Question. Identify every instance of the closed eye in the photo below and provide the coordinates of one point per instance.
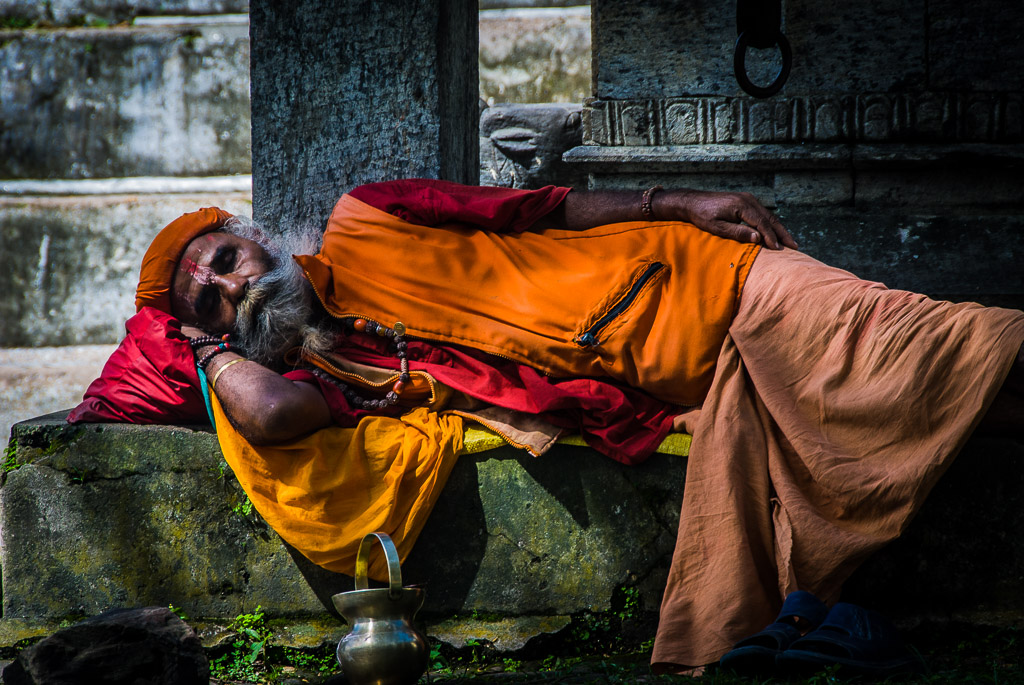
(224, 259)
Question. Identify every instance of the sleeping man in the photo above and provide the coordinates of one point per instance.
(823, 407)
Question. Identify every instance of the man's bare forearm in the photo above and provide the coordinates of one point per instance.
(738, 216)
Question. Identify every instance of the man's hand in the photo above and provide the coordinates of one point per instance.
(738, 216)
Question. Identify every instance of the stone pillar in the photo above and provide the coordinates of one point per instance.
(345, 93)
(893, 150)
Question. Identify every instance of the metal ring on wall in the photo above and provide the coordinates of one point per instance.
(739, 65)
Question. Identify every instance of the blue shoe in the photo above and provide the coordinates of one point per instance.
(756, 654)
(859, 641)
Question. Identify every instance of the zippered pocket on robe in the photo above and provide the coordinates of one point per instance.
(591, 335)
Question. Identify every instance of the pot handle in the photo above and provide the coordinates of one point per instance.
(390, 553)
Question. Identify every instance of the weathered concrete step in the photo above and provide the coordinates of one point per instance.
(86, 12)
(72, 261)
(125, 101)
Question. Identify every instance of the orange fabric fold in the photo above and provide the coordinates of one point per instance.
(323, 493)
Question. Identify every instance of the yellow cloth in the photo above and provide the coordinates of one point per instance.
(324, 492)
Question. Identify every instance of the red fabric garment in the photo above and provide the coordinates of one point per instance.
(429, 202)
(150, 378)
(620, 422)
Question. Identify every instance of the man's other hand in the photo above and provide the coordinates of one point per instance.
(737, 216)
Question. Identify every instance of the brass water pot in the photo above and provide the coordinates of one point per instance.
(382, 647)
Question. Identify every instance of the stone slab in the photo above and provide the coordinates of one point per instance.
(106, 515)
(865, 117)
(72, 262)
(124, 515)
(84, 12)
(125, 101)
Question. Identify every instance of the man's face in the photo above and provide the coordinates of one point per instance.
(213, 276)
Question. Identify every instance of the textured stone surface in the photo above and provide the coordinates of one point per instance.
(120, 647)
(72, 263)
(838, 47)
(78, 12)
(121, 515)
(117, 515)
(357, 108)
(822, 118)
(96, 103)
(114, 515)
(521, 146)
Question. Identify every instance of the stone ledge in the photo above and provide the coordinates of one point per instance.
(790, 156)
(105, 515)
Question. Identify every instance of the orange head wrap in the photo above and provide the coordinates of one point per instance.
(156, 280)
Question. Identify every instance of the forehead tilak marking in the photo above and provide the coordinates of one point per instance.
(203, 275)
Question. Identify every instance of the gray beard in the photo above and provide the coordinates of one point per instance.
(276, 313)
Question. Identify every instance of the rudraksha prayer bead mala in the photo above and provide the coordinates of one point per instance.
(397, 335)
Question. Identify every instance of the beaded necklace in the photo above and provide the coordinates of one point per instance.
(395, 333)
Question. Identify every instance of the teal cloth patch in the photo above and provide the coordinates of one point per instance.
(205, 387)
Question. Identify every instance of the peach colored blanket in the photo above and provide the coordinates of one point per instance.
(836, 406)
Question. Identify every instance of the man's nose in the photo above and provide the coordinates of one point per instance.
(233, 286)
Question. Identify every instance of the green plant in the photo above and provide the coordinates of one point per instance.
(244, 660)
(323, 663)
(437, 661)
(11, 457)
(243, 508)
(16, 23)
(630, 603)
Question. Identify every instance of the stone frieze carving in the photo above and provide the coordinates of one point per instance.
(871, 117)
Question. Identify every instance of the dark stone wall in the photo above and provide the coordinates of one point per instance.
(355, 92)
(893, 150)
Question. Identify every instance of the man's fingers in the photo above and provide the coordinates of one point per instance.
(762, 223)
(770, 227)
(738, 232)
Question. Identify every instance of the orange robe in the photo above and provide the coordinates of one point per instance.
(643, 303)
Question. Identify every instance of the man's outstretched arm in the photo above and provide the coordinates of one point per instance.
(429, 202)
(738, 216)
